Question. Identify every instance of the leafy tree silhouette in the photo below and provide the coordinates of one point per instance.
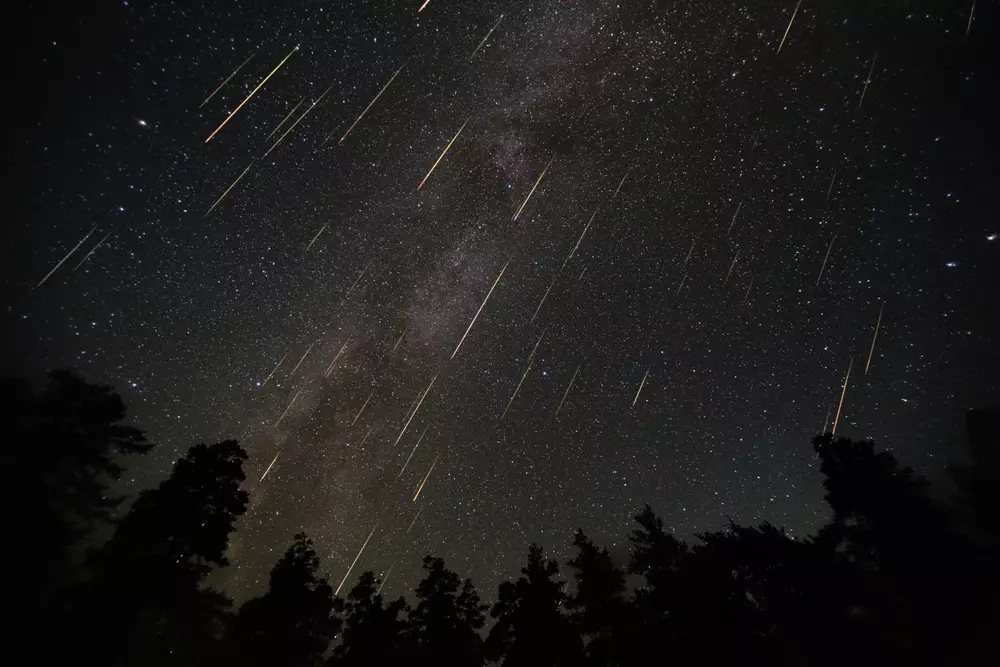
(444, 626)
(374, 634)
(293, 623)
(530, 627)
(146, 604)
(598, 606)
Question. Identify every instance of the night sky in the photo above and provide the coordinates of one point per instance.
(697, 175)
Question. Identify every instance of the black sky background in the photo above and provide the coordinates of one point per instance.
(186, 313)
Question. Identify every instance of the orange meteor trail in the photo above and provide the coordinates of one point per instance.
(63, 260)
(329, 368)
(843, 392)
(479, 311)
(285, 119)
(875, 337)
(823, 267)
(301, 360)
(238, 179)
(269, 467)
(412, 453)
(276, 367)
(426, 477)
(321, 229)
(235, 72)
(789, 25)
(87, 256)
(640, 387)
(259, 85)
(440, 157)
(486, 38)
(415, 410)
(426, 2)
(358, 416)
(566, 393)
(370, 104)
(356, 559)
(528, 198)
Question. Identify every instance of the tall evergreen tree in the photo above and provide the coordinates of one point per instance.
(444, 626)
(598, 604)
(147, 604)
(374, 633)
(531, 629)
(293, 623)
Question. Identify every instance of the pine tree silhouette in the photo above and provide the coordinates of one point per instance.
(374, 634)
(444, 626)
(598, 606)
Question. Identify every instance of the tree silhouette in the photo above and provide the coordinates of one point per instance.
(374, 634)
(293, 623)
(530, 627)
(146, 604)
(598, 606)
(444, 626)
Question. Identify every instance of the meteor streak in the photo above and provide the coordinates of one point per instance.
(440, 157)
(823, 267)
(728, 231)
(479, 311)
(875, 337)
(545, 296)
(238, 179)
(269, 467)
(620, 183)
(297, 121)
(365, 439)
(747, 295)
(415, 410)
(486, 38)
(528, 198)
(426, 2)
(329, 368)
(254, 92)
(789, 25)
(301, 360)
(278, 365)
(358, 416)
(412, 453)
(826, 420)
(294, 398)
(582, 234)
(385, 579)
(731, 267)
(526, 369)
(690, 252)
(360, 276)
(566, 393)
(87, 256)
(869, 79)
(972, 13)
(426, 477)
(415, 517)
(235, 72)
(356, 559)
(829, 190)
(843, 392)
(284, 120)
(321, 229)
(681, 286)
(405, 329)
(370, 104)
(68, 255)
(640, 387)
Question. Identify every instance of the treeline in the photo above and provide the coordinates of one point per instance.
(894, 577)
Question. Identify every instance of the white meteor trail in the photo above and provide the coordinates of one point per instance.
(414, 451)
(729, 231)
(360, 276)
(415, 517)
(329, 369)
(235, 72)
(690, 252)
(486, 38)
(306, 354)
(747, 295)
(582, 234)
(276, 367)
(358, 416)
(440, 157)
(384, 579)
(533, 188)
(868, 80)
(972, 13)
(365, 439)
(825, 259)
(290, 404)
(223, 196)
(524, 375)
(356, 559)
(321, 230)
(843, 392)
(269, 467)
(400, 340)
(284, 120)
(731, 267)
(641, 384)
(544, 297)
(254, 92)
(370, 104)
(681, 286)
(426, 2)
(87, 256)
(875, 337)
(63, 260)
(829, 190)
(297, 121)
(566, 393)
(457, 347)
(620, 183)
(426, 477)
(415, 410)
(789, 25)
